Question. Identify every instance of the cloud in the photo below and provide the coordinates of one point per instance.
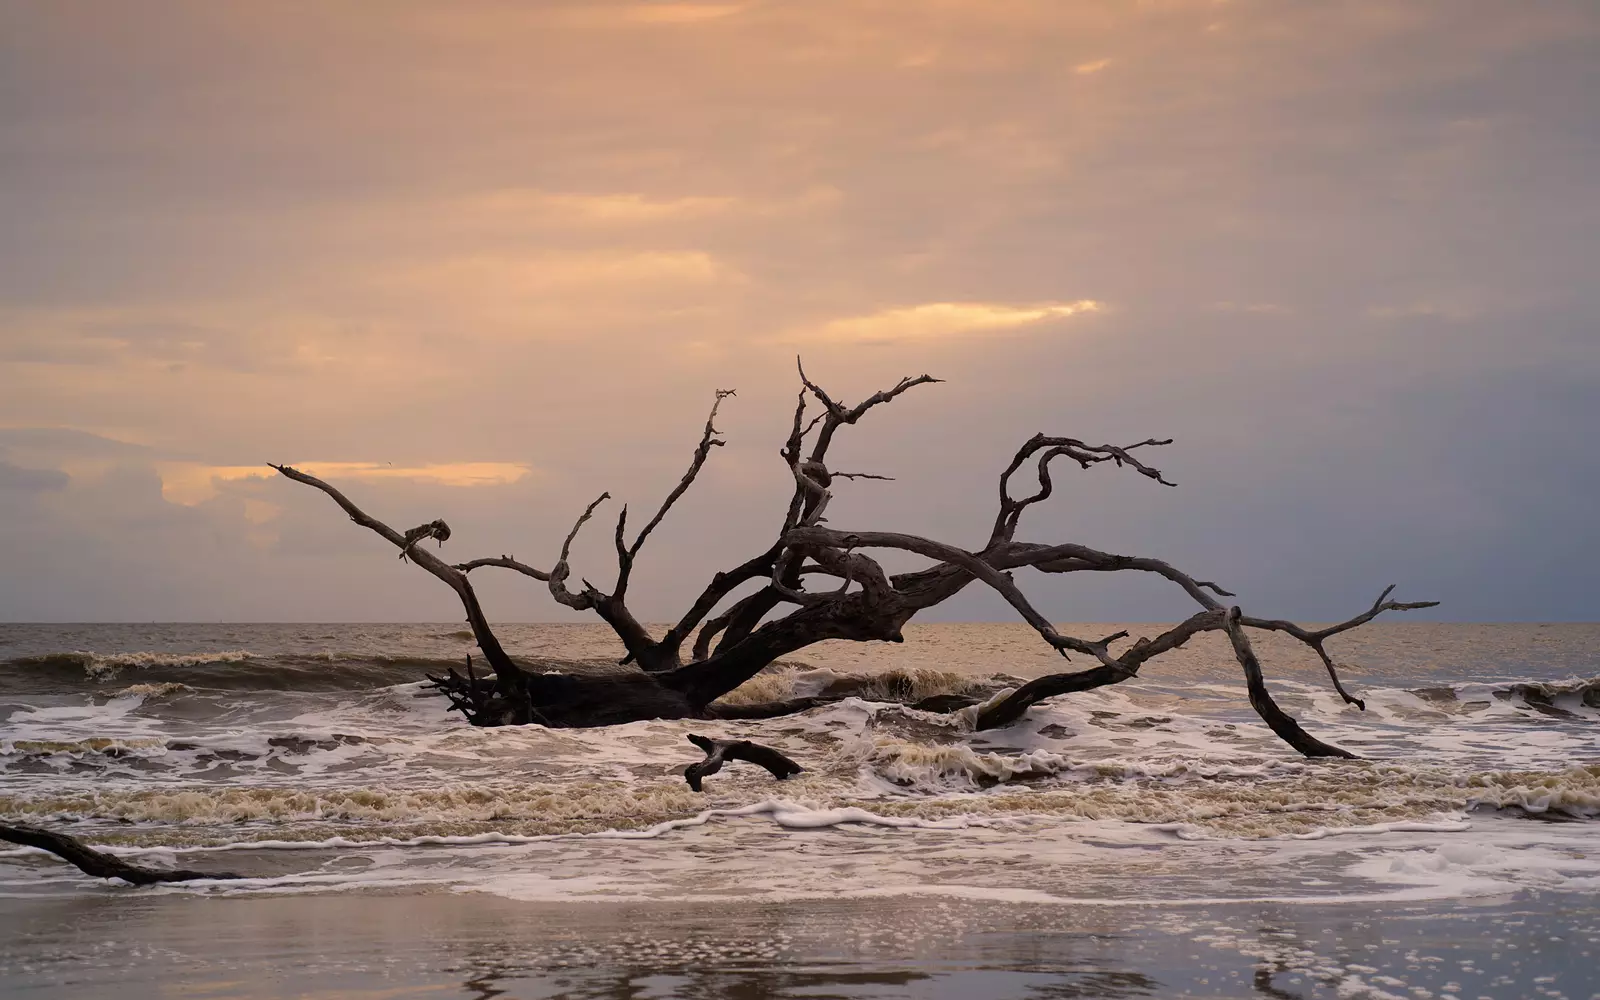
(1426, 309)
(605, 273)
(937, 320)
(1258, 308)
(616, 208)
(543, 296)
(190, 483)
(24, 480)
(682, 13)
(67, 442)
(542, 232)
(171, 337)
(501, 210)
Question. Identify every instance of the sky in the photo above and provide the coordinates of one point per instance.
(482, 260)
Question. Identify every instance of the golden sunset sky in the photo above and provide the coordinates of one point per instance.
(482, 260)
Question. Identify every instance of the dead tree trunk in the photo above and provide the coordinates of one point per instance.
(855, 600)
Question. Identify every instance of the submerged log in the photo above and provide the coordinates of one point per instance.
(719, 752)
(98, 863)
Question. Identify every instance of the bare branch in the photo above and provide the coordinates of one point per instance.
(838, 414)
(504, 562)
(1144, 649)
(1085, 455)
(404, 542)
(515, 705)
(714, 627)
(1072, 558)
(708, 440)
(624, 559)
(586, 598)
(433, 529)
(834, 409)
(1315, 639)
(1009, 709)
(860, 475)
(982, 571)
(720, 586)
(856, 412)
(357, 515)
(1276, 719)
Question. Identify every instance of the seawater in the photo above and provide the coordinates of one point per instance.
(315, 757)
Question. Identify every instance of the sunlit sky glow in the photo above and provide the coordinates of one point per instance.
(482, 260)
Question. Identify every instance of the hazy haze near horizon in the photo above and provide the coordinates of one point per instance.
(483, 260)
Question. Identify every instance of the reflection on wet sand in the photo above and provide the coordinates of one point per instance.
(139, 944)
(640, 982)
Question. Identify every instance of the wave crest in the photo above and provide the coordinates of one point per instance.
(787, 681)
(104, 666)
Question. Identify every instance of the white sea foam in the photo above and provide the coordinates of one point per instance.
(103, 666)
(1177, 784)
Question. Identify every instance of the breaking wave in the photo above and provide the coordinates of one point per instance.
(791, 681)
(239, 669)
(104, 666)
(323, 737)
(1271, 804)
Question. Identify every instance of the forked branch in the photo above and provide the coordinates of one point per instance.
(1316, 639)
(588, 597)
(1052, 448)
(1276, 719)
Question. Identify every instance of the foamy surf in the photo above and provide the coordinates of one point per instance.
(293, 745)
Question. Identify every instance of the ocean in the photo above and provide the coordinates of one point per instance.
(1147, 839)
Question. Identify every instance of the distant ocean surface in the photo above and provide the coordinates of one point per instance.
(314, 756)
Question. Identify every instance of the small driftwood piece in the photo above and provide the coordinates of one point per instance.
(98, 863)
(719, 752)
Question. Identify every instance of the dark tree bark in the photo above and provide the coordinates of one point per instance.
(98, 863)
(719, 752)
(832, 589)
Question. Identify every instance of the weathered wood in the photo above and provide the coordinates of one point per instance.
(719, 752)
(1276, 718)
(1013, 706)
(855, 600)
(98, 863)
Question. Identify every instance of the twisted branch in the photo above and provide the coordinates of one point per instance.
(1086, 455)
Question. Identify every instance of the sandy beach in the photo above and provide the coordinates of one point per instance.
(369, 946)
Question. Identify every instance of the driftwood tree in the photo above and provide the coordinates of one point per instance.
(816, 582)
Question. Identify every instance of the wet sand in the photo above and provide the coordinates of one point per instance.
(135, 944)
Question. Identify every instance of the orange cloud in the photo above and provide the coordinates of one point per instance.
(189, 483)
(682, 13)
(935, 320)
